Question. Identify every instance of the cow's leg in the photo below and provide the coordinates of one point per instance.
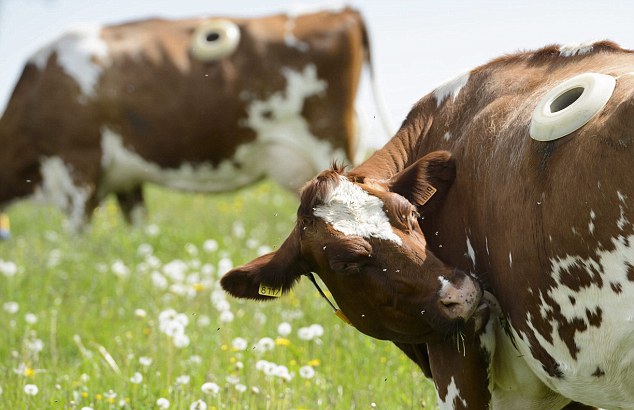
(460, 373)
(132, 205)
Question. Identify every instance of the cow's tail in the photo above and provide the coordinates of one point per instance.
(381, 107)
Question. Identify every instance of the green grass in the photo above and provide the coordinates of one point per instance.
(88, 311)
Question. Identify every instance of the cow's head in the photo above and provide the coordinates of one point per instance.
(363, 239)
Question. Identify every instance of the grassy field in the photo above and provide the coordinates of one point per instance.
(133, 318)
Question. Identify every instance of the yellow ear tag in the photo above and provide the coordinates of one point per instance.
(428, 192)
(269, 291)
(342, 316)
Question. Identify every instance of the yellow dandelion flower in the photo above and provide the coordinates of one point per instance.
(293, 362)
(98, 396)
(314, 362)
(224, 348)
(199, 287)
(282, 341)
(233, 360)
(84, 394)
(147, 331)
(28, 372)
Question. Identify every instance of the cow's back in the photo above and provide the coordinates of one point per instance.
(546, 225)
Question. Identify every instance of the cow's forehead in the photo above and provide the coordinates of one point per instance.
(351, 210)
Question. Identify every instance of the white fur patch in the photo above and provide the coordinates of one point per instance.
(284, 133)
(450, 88)
(80, 52)
(606, 349)
(471, 252)
(351, 210)
(124, 169)
(453, 394)
(576, 49)
(289, 38)
(59, 188)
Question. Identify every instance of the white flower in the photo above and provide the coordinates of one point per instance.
(11, 307)
(284, 329)
(31, 389)
(306, 372)
(282, 372)
(203, 321)
(86, 408)
(260, 365)
(195, 359)
(140, 313)
(145, 361)
(239, 343)
(119, 269)
(305, 333)
(210, 245)
(233, 379)
(34, 345)
(163, 403)
(183, 380)
(210, 388)
(191, 249)
(152, 230)
(241, 388)
(224, 265)
(8, 269)
(181, 340)
(318, 330)
(226, 316)
(30, 318)
(265, 344)
(145, 249)
(0, 391)
(263, 250)
(198, 405)
(159, 281)
(137, 378)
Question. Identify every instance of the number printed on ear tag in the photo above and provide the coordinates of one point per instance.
(270, 291)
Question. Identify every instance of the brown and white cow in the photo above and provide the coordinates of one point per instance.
(205, 104)
(540, 210)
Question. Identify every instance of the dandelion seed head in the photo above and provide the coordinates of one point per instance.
(284, 329)
(31, 389)
(198, 405)
(137, 378)
(306, 372)
(163, 404)
(11, 307)
(210, 388)
(183, 380)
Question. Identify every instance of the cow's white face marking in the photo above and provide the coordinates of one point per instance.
(59, 188)
(576, 49)
(81, 53)
(450, 88)
(605, 357)
(352, 211)
(453, 394)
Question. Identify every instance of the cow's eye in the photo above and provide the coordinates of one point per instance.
(214, 40)
(349, 255)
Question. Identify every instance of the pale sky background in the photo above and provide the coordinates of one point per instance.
(416, 45)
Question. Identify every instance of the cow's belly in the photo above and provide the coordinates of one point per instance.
(291, 166)
(591, 335)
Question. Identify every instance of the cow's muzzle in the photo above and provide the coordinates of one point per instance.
(459, 299)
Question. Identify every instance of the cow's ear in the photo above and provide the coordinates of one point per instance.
(268, 276)
(426, 182)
